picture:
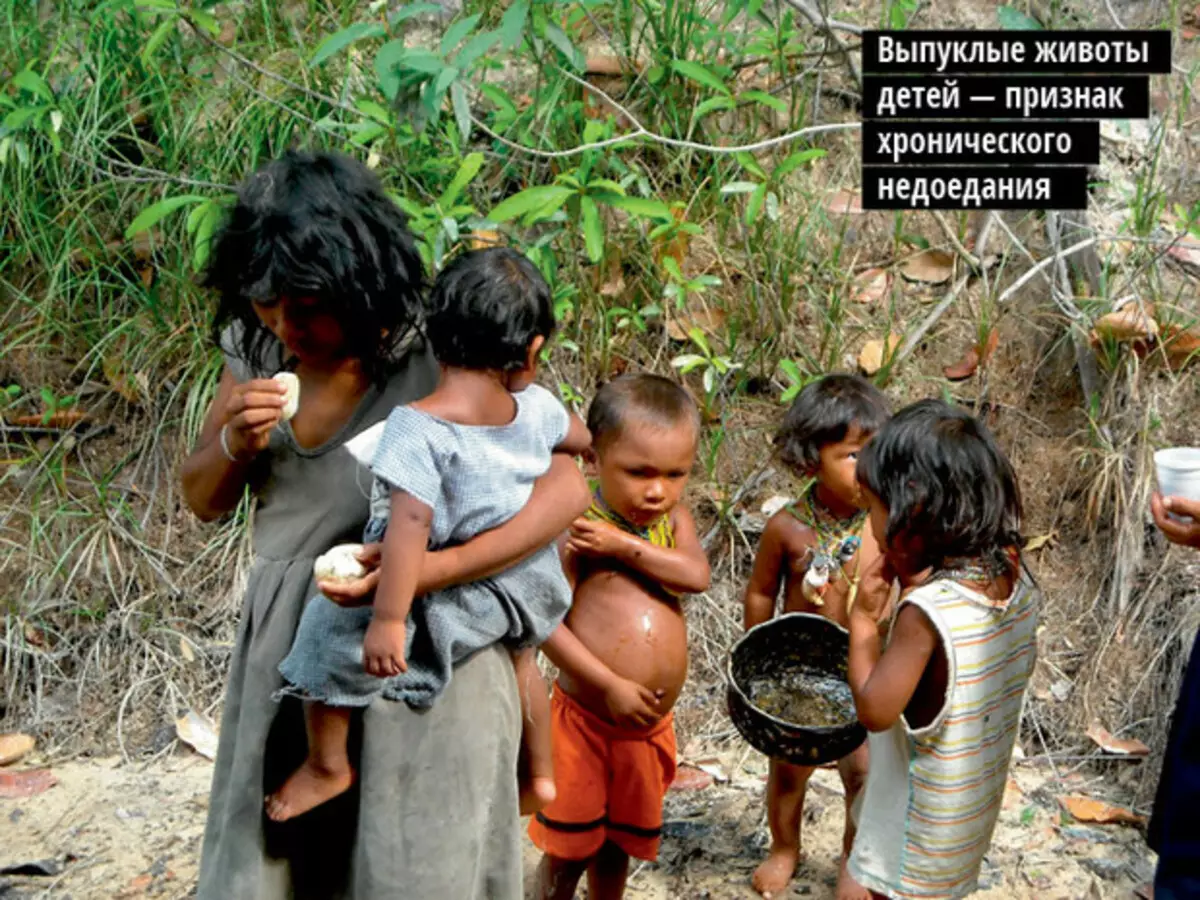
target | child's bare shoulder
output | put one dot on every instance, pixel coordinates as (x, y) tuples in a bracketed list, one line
[(789, 533)]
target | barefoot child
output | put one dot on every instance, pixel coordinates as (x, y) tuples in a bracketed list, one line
[(825, 533), (943, 700), (622, 653), (456, 463)]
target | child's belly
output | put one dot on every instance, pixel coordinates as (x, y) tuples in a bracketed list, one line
[(638, 634)]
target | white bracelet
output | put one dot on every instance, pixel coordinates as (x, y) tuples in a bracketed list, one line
[(225, 444)]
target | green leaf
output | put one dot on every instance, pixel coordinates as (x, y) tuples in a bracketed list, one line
[(638, 206), (512, 24), (204, 20), (750, 164), (712, 104), (462, 109), (558, 38), (151, 215), (699, 74), (700, 340), (408, 12), (740, 187), (31, 81), (1012, 19), (204, 233), (475, 48), (340, 40), (593, 229), (467, 170), (530, 200), (605, 186), (685, 362), (755, 205), (457, 32), (765, 99), (377, 112), (166, 5), (164, 30), (795, 161)]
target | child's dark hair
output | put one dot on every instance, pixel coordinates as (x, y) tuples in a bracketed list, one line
[(485, 309), (653, 399), (949, 490), (318, 225), (824, 413)]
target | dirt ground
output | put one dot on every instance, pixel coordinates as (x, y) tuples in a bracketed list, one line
[(111, 831)]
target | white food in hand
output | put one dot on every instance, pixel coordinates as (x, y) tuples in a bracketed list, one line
[(340, 565), (291, 400)]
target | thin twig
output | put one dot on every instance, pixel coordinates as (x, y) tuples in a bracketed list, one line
[(831, 27), (146, 175), (1028, 276), (971, 259)]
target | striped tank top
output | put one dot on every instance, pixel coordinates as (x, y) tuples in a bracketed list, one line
[(933, 794)]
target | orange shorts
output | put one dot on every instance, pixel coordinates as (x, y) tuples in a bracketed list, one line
[(611, 783)]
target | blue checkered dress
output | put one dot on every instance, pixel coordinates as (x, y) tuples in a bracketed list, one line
[(474, 478)]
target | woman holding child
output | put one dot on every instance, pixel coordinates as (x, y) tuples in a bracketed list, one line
[(317, 273)]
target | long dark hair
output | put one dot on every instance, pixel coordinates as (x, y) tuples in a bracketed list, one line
[(318, 224), (949, 490)]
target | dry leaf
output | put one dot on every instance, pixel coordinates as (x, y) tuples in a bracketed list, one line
[(1186, 250), (713, 768), (481, 240), (15, 785), (871, 286), (186, 651), (691, 778), (198, 732), (1182, 345), (676, 247), (1042, 540), (1121, 746), (606, 64), (710, 320), (987, 348), (964, 368), (14, 746), (876, 352), (774, 504), (929, 267), (1129, 323), (1085, 809), (64, 418), (845, 203)]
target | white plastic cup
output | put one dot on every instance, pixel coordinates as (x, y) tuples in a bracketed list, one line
[(1179, 474)]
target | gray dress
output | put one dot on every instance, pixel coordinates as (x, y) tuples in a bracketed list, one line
[(435, 810), (474, 478)]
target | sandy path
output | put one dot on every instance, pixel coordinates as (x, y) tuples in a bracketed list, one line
[(121, 831)]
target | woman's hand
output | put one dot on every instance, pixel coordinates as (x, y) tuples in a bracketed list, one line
[(1186, 534), (252, 412), (361, 591)]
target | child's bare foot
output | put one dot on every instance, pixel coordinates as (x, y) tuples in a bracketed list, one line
[(773, 874), (847, 887), (309, 787), (537, 795)]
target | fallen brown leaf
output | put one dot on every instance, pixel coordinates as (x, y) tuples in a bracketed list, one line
[(1186, 250), (1042, 540), (15, 785), (878, 351), (198, 732), (987, 348), (1085, 809), (1129, 323), (1182, 345), (871, 286), (14, 746), (929, 267), (481, 240), (65, 418), (964, 368), (607, 64), (845, 203), (1121, 746)]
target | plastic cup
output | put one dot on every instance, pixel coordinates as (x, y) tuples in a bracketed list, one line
[(1179, 474)]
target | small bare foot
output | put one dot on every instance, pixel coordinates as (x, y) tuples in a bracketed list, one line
[(773, 874), (847, 887), (307, 789), (537, 795)]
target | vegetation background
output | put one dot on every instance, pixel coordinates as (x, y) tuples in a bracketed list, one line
[(683, 172)]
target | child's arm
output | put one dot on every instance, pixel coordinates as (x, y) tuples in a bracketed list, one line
[(629, 704), (682, 568), (883, 683), (403, 549), (578, 440), (767, 574)]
